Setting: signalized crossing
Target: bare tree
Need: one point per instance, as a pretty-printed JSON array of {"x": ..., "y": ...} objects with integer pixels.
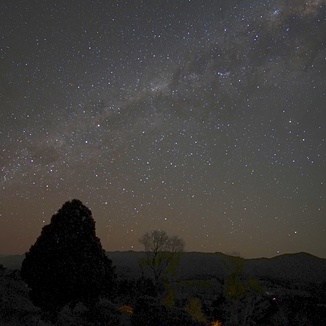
[{"x": 162, "y": 253}]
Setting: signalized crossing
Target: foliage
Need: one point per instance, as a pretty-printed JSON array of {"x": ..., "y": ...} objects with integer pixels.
[
  {"x": 194, "y": 308},
  {"x": 169, "y": 297},
  {"x": 130, "y": 290},
  {"x": 178, "y": 317},
  {"x": 73, "y": 316},
  {"x": 161, "y": 253},
  {"x": 105, "y": 313},
  {"x": 15, "y": 305},
  {"x": 145, "y": 286},
  {"x": 67, "y": 263},
  {"x": 234, "y": 287},
  {"x": 148, "y": 311},
  {"x": 244, "y": 302}
]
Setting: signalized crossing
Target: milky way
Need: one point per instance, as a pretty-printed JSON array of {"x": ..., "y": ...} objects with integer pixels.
[{"x": 202, "y": 118}]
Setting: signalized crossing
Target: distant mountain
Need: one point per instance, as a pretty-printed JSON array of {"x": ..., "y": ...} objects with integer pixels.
[
  {"x": 192, "y": 264},
  {"x": 299, "y": 266},
  {"x": 302, "y": 267}
]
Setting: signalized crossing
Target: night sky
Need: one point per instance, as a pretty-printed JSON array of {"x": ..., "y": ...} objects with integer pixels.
[{"x": 202, "y": 118}]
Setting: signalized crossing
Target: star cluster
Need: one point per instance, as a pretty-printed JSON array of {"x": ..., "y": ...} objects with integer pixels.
[{"x": 202, "y": 118}]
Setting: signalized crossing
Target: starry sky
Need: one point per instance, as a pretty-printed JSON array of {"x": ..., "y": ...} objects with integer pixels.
[{"x": 204, "y": 118}]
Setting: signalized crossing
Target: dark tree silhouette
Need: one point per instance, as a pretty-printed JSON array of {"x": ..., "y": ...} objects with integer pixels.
[
  {"x": 162, "y": 253},
  {"x": 67, "y": 263}
]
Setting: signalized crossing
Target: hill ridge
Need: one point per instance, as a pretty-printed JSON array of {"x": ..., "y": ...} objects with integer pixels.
[{"x": 300, "y": 266}]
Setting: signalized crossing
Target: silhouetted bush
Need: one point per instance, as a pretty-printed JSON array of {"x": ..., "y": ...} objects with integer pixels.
[
  {"x": 15, "y": 306},
  {"x": 73, "y": 316},
  {"x": 145, "y": 287},
  {"x": 178, "y": 317},
  {"x": 67, "y": 263},
  {"x": 105, "y": 313},
  {"x": 149, "y": 311},
  {"x": 130, "y": 290}
]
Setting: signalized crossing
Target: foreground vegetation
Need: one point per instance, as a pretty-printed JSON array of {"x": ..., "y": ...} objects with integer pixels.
[
  {"x": 66, "y": 279},
  {"x": 181, "y": 302}
]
